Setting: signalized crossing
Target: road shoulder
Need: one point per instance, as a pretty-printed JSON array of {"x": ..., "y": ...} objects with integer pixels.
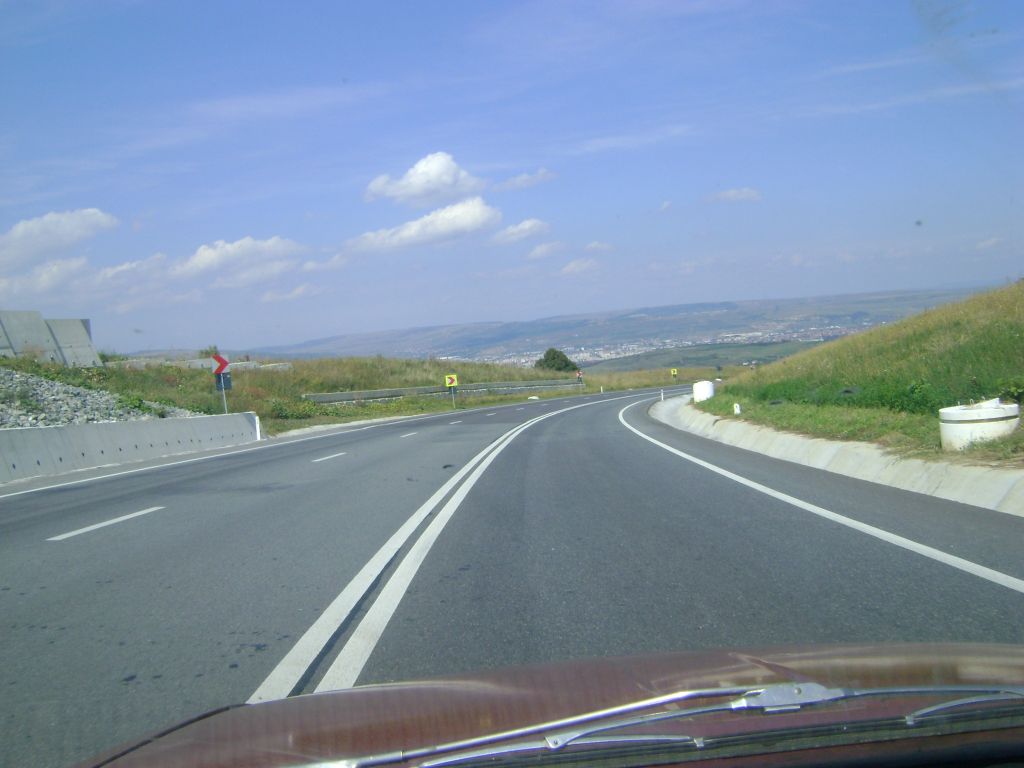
[{"x": 998, "y": 489}]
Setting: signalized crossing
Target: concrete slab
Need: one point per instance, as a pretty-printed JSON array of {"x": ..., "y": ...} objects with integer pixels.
[
  {"x": 75, "y": 343},
  {"x": 29, "y": 334}
]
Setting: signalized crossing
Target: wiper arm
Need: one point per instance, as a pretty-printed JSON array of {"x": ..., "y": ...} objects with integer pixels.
[
  {"x": 539, "y": 728},
  {"x": 770, "y": 699},
  {"x": 781, "y": 697},
  {"x": 791, "y": 697}
]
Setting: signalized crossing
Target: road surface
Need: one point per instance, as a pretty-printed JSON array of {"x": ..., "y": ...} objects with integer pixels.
[{"x": 532, "y": 532}]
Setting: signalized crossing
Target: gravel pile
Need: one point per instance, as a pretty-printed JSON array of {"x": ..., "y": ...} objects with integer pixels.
[{"x": 31, "y": 401}]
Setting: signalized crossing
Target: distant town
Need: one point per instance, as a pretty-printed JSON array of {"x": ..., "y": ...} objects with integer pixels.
[{"x": 591, "y": 354}]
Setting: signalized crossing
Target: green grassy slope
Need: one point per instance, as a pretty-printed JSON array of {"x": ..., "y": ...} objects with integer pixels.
[{"x": 887, "y": 384}]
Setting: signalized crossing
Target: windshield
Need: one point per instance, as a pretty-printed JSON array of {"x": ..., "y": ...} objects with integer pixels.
[{"x": 345, "y": 344}]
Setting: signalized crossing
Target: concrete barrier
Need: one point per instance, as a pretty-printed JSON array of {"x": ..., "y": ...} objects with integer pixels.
[
  {"x": 991, "y": 488},
  {"x": 42, "y": 451}
]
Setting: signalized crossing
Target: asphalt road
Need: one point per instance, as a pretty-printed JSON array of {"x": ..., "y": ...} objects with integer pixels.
[{"x": 525, "y": 533}]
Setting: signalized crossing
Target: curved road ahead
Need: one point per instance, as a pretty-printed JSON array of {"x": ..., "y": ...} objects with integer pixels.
[{"x": 422, "y": 547}]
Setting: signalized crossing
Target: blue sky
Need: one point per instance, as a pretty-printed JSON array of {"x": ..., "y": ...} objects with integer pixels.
[{"x": 263, "y": 173}]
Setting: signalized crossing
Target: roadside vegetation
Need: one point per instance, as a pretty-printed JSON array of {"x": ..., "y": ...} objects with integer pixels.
[
  {"x": 276, "y": 395},
  {"x": 886, "y": 385}
]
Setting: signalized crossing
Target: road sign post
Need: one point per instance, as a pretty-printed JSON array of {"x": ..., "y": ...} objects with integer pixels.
[
  {"x": 674, "y": 372},
  {"x": 222, "y": 377},
  {"x": 451, "y": 381}
]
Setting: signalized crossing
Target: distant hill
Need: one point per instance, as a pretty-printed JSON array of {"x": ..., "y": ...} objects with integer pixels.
[{"x": 589, "y": 337}]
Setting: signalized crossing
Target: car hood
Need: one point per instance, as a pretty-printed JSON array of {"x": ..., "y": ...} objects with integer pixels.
[{"x": 385, "y": 718}]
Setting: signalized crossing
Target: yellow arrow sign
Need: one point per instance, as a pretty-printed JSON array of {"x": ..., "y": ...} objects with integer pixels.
[
  {"x": 451, "y": 380},
  {"x": 675, "y": 371}
]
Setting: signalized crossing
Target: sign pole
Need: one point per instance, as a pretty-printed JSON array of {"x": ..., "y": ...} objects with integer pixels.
[
  {"x": 222, "y": 375},
  {"x": 452, "y": 382}
]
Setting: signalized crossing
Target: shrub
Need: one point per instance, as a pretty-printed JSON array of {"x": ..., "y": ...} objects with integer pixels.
[{"x": 556, "y": 360}]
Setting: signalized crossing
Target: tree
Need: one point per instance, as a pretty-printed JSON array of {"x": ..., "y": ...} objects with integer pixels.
[
  {"x": 556, "y": 360},
  {"x": 209, "y": 351}
]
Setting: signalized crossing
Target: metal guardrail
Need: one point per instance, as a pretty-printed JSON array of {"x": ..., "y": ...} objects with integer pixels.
[{"x": 502, "y": 387}]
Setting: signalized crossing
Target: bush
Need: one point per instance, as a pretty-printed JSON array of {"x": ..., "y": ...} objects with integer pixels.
[
  {"x": 1012, "y": 389},
  {"x": 556, "y": 360}
]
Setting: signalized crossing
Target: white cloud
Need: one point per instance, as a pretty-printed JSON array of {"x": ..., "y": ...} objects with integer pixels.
[
  {"x": 991, "y": 242},
  {"x": 445, "y": 223},
  {"x": 254, "y": 273},
  {"x": 30, "y": 239},
  {"x": 578, "y": 267},
  {"x": 131, "y": 270},
  {"x": 524, "y": 180},
  {"x": 434, "y": 178},
  {"x": 337, "y": 261},
  {"x": 634, "y": 140},
  {"x": 544, "y": 250},
  {"x": 739, "y": 195},
  {"x": 521, "y": 231},
  {"x": 296, "y": 293},
  {"x": 597, "y": 245},
  {"x": 244, "y": 255},
  {"x": 291, "y": 102},
  {"x": 45, "y": 278},
  {"x": 665, "y": 205}
]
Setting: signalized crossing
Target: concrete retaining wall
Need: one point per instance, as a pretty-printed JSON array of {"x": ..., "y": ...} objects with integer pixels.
[
  {"x": 74, "y": 342},
  {"x": 992, "y": 488},
  {"x": 43, "y": 451},
  {"x": 67, "y": 342}
]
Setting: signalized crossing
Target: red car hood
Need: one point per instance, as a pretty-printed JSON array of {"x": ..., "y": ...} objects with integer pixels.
[{"x": 386, "y": 718}]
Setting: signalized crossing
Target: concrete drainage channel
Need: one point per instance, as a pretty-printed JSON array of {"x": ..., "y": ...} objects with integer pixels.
[
  {"x": 43, "y": 451},
  {"x": 998, "y": 489}
]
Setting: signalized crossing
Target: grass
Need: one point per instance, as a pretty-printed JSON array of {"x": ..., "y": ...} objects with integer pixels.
[
  {"x": 276, "y": 394},
  {"x": 887, "y": 384}
]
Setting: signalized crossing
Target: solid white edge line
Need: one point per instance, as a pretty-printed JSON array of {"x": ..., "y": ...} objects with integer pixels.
[
  {"x": 332, "y": 456},
  {"x": 996, "y": 577},
  {"x": 349, "y": 663},
  {"x": 104, "y": 524}
]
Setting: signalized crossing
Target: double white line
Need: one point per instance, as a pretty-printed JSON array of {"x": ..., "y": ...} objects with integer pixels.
[{"x": 345, "y": 669}]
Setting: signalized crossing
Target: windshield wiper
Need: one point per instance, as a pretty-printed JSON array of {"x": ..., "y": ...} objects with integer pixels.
[{"x": 581, "y": 729}]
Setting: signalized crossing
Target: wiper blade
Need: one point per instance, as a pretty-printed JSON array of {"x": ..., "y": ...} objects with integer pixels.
[
  {"x": 580, "y": 729},
  {"x": 992, "y": 697}
]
